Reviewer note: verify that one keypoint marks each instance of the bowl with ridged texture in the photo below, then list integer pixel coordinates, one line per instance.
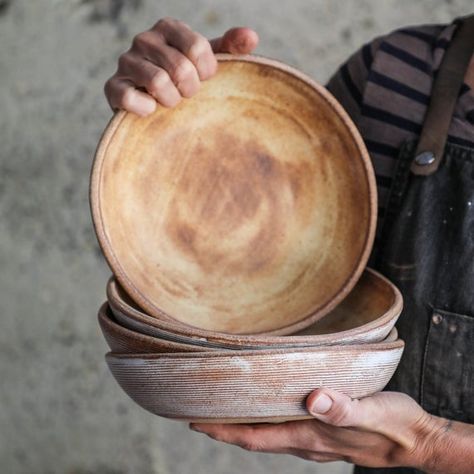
(251, 386)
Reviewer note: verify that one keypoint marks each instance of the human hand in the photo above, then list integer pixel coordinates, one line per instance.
(168, 62)
(385, 430)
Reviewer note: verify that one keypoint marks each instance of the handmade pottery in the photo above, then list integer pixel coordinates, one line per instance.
(251, 386)
(248, 209)
(125, 341)
(366, 315)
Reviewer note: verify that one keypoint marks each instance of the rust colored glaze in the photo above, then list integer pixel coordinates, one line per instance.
(265, 385)
(125, 341)
(248, 209)
(366, 315)
(214, 199)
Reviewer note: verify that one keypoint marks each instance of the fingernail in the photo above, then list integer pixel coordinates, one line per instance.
(204, 70)
(321, 405)
(146, 108)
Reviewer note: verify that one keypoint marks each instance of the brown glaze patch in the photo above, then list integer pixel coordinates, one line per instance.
(227, 214)
(265, 164)
(186, 236)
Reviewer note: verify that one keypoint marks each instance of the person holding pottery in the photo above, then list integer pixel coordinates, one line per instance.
(411, 95)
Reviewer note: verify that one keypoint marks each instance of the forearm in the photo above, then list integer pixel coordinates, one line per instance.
(449, 449)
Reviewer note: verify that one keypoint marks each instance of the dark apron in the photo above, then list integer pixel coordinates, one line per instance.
(427, 250)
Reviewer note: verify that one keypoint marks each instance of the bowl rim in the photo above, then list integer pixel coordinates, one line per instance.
(359, 263)
(264, 353)
(104, 317)
(217, 337)
(108, 324)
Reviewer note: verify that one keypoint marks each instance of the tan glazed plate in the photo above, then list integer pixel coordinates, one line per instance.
(248, 209)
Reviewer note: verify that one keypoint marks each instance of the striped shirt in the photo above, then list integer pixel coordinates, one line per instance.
(385, 87)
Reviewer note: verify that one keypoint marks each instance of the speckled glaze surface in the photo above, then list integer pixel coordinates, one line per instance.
(366, 315)
(253, 386)
(250, 208)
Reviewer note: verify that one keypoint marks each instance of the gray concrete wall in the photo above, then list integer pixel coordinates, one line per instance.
(60, 410)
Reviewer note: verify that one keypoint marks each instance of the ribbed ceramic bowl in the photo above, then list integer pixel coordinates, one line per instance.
(251, 386)
(366, 315)
(248, 209)
(125, 341)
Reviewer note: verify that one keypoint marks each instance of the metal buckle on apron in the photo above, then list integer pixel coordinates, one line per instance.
(444, 94)
(425, 158)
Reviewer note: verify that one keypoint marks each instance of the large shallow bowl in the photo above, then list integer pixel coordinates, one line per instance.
(251, 386)
(125, 341)
(249, 208)
(366, 315)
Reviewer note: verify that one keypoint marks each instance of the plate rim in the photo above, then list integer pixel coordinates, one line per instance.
(145, 303)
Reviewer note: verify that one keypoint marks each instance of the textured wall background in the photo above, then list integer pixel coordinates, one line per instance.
(61, 412)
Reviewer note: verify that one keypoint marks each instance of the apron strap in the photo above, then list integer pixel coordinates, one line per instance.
(444, 95)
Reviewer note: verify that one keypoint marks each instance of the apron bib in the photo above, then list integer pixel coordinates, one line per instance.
(427, 250)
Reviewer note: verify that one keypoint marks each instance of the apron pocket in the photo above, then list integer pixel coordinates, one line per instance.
(447, 385)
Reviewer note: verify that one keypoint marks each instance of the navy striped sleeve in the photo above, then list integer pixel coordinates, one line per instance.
(348, 83)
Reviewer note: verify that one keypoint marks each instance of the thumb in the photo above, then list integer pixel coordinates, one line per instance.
(335, 408)
(236, 41)
(394, 415)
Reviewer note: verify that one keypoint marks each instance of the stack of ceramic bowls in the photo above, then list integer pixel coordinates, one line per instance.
(238, 226)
